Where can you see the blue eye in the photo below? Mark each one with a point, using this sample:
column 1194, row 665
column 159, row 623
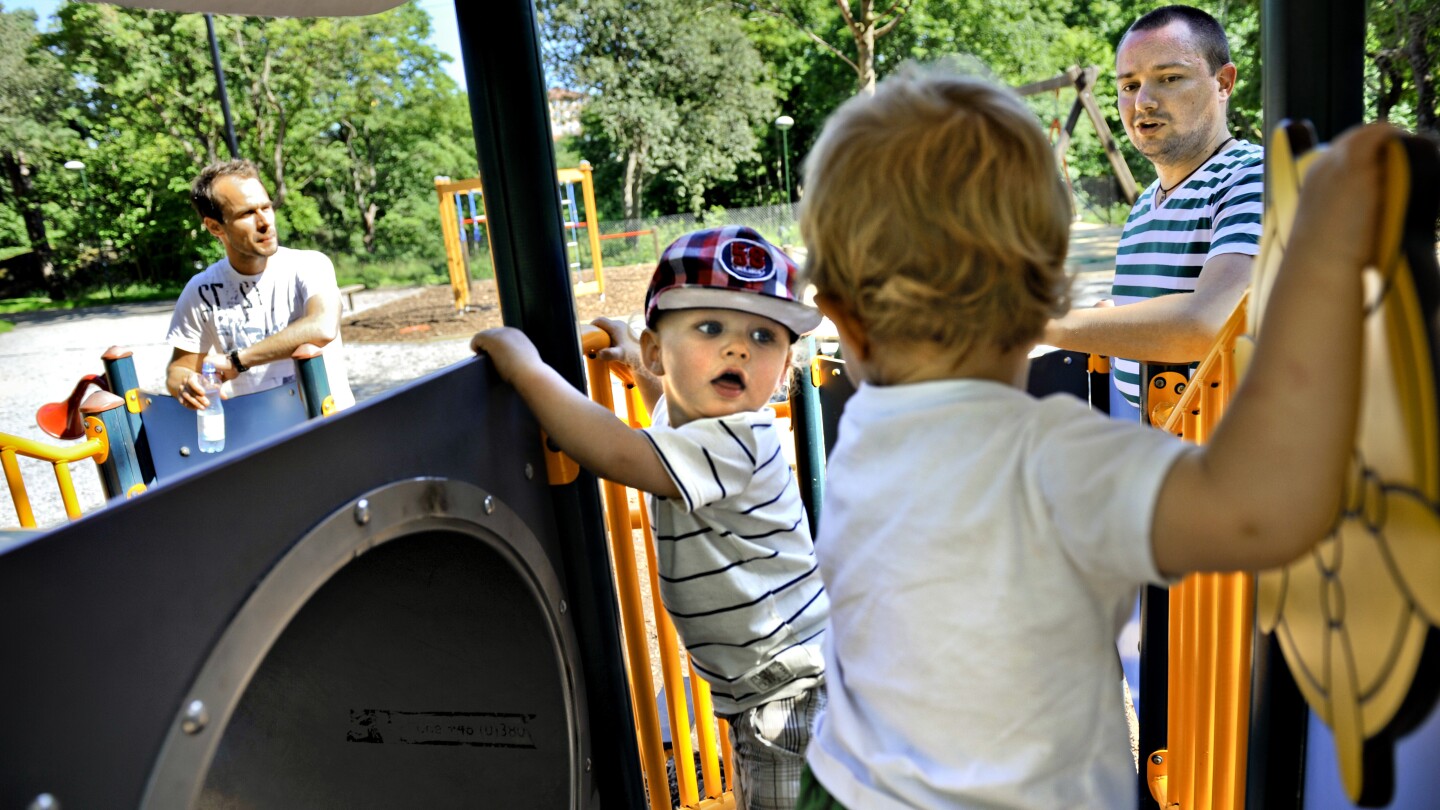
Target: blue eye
column 709, row 328
column 763, row 336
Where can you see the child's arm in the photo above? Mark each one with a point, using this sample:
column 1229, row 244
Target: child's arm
column 585, row 431
column 1269, row 483
column 625, row 349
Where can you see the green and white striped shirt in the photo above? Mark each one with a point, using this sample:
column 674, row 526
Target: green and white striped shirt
column 1162, row 249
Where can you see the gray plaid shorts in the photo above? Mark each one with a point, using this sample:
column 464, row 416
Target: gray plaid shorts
column 769, row 745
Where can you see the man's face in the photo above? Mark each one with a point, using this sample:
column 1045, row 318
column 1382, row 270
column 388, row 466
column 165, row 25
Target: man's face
column 1171, row 103
column 249, row 226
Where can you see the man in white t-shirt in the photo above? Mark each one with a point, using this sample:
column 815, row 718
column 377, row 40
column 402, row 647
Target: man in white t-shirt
column 249, row 311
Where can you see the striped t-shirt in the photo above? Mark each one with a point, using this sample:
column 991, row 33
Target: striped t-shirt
column 1162, row 249
column 736, row 560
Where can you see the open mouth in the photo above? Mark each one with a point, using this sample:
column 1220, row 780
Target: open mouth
column 729, row 384
column 1149, row 126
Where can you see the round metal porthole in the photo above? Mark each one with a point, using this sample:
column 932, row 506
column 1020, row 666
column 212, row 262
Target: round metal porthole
column 417, row 657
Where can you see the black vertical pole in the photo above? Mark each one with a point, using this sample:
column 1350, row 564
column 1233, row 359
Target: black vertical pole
column 220, row 87
column 1313, row 62
column 500, row 44
column 1154, row 678
column 806, row 422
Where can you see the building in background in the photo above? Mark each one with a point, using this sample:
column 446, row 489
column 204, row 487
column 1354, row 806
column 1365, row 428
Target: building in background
column 565, row 106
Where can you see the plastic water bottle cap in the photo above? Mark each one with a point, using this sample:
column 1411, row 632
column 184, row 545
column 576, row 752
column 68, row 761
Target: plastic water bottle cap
column 207, row 367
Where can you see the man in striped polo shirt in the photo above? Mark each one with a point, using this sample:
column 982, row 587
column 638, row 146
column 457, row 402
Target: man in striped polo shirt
column 1186, row 250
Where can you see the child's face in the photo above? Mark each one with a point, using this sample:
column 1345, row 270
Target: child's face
column 715, row 362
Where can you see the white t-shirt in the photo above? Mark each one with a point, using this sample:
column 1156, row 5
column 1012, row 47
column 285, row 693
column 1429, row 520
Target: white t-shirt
column 982, row 550
column 221, row 310
column 735, row 559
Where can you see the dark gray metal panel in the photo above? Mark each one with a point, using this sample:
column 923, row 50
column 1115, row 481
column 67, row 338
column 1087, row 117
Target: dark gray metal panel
column 503, row 70
column 106, row 621
column 1313, row 63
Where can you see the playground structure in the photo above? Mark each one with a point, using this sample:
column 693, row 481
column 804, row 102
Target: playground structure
column 453, row 222
column 424, row 620
column 137, row 438
column 1082, row 79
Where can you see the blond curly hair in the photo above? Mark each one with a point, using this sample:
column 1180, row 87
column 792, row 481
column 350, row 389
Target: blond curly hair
column 935, row 213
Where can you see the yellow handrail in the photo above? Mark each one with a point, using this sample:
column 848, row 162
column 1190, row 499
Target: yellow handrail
column 1211, row 626
column 59, row 456
column 712, row 732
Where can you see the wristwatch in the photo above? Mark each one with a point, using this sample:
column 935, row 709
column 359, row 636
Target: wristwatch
column 240, row 368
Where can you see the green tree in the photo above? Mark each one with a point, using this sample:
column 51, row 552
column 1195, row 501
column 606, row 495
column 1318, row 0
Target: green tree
column 677, row 91
column 349, row 120
column 1403, row 49
column 33, row 93
column 863, row 24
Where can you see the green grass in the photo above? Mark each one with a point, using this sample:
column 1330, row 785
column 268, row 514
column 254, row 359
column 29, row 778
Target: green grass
column 393, row 272
column 6, row 326
column 128, row 294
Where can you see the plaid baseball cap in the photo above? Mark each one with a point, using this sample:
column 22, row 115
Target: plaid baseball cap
column 729, row 268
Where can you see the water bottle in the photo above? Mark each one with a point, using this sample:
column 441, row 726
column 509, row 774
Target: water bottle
column 211, row 421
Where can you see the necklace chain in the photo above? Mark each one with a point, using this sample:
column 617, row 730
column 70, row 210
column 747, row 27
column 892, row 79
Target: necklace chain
column 1165, row 192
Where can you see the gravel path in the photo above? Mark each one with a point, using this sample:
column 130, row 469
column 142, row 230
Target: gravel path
column 47, row 352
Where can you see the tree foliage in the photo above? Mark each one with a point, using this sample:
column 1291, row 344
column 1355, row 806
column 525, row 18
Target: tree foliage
column 33, row 93
column 677, row 92
column 350, row 119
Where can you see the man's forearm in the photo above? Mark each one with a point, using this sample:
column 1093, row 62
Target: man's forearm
column 319, row 326
column 1177, row 328
column 1162, row 330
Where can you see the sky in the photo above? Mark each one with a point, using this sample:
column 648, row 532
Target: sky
column 443, row 36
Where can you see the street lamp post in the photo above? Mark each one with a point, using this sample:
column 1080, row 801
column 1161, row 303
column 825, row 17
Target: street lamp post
column 79, row 166
column 784, row 123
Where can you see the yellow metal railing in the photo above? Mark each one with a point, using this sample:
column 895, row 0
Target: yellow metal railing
column 96, row 446
column 713, row 746
column 1211, row 626
column 452, row 228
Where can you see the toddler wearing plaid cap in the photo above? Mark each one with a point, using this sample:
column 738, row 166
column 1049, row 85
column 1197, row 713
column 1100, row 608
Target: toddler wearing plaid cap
column 736, row 560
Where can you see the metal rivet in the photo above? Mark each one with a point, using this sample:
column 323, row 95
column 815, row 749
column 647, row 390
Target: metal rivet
column 1179, row 388
column 47, row 802
column 489, row 504
column 1157, row 759
column 835, row 373
column 1067, row 360
column 196, row 718
column 563, row 607
column 185, row 452
column 362, row 511
column 99, row 428
column 587, row 764
column 529, row 471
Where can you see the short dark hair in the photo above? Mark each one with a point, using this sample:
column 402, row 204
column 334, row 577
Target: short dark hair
column 202, row 188
column 1209, row 35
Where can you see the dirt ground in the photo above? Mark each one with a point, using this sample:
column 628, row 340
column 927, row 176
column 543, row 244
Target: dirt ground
column 430, row 314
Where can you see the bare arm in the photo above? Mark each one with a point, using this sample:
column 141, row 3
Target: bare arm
column 1268, row 485
column 625, row 349
column 182, row 379
column 319, row 325
column 585, row 431
column 1169, row 329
